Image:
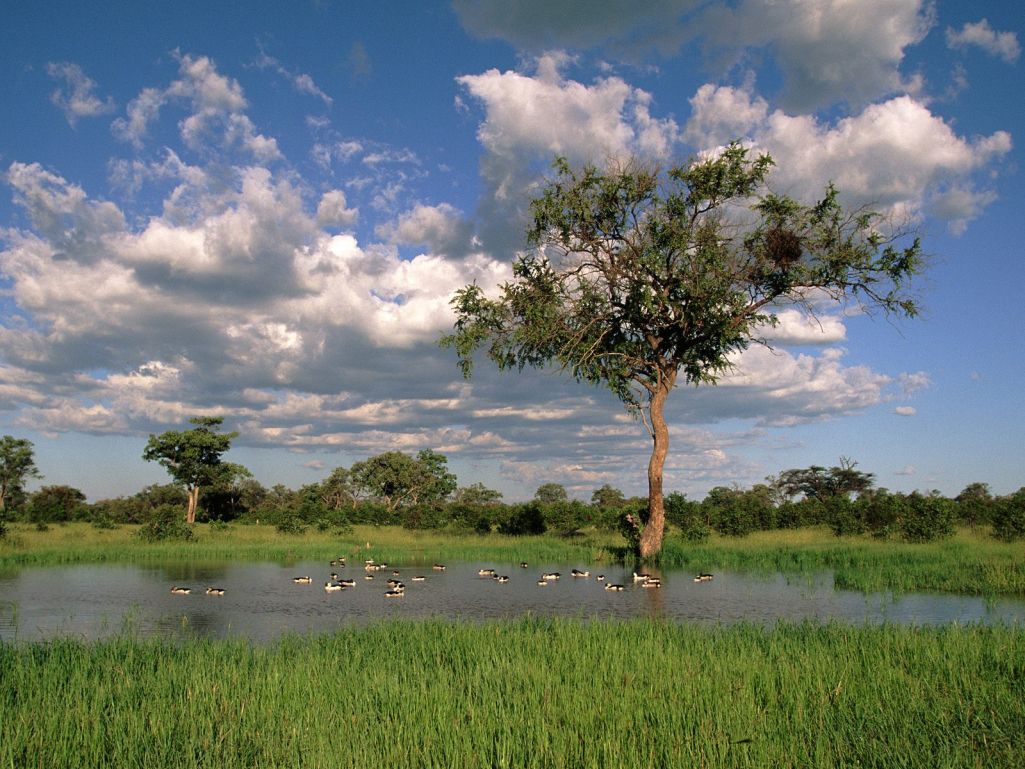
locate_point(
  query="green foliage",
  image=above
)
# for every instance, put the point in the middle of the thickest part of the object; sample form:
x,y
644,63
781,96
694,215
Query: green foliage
x,y
975,504
56,503
551,493
636,277
687,516
193,457
17,465
927,517
527,518
165,523
397,480
817,482
737,512
1009,516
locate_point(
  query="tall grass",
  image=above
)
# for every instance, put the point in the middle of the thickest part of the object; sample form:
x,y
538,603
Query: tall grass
x,y
969,563
529,693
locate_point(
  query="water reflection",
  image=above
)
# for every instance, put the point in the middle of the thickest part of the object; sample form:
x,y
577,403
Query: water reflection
x,y
262,602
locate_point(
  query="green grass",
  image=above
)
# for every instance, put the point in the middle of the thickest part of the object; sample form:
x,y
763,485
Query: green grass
x,y
529,693
969,563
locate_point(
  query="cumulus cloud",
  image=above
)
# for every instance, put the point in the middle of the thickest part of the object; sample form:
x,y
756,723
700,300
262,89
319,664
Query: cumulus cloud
x,y
905,411
76,97
1001,44
826,50
895,155
442,229
217,118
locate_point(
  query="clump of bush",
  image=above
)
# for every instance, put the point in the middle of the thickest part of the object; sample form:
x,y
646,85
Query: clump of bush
x,y
1008,516
166,522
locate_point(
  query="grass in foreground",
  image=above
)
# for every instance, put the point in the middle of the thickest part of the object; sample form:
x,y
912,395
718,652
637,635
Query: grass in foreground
x,y
530,693
969,563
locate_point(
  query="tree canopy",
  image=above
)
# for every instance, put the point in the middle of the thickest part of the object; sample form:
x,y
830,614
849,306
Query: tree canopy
x,y
17,465
399,480
634,277
193,457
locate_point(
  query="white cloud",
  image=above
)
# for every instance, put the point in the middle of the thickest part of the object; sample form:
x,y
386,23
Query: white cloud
x,y
332,210
905,411
895,155
442,229
907,470
302,82
826,50
1002,44
217,119
77,98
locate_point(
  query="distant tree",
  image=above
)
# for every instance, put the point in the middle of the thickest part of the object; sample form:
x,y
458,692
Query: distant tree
x,y
56,503
1009,516
17,465
608,498
639,279
398,480
974,503
817,482
336,490
193,457
477,495
551,493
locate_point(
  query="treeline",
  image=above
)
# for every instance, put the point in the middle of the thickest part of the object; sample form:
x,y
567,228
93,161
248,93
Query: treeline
x,y
419,492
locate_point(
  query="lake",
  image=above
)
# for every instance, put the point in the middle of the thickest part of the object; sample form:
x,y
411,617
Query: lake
x,y
261,602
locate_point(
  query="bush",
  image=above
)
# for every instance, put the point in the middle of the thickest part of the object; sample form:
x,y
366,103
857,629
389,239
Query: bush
x,y
1009,516
845,518
290,524
166,522
524,519
927,518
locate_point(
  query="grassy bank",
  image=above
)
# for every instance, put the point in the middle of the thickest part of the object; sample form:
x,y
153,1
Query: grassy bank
x,y
971,562
525,694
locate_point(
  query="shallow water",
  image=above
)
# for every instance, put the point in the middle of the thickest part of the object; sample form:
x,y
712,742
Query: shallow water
x,y
262,603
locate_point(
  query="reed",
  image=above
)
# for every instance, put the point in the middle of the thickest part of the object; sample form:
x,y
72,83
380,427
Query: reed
x,y
527,693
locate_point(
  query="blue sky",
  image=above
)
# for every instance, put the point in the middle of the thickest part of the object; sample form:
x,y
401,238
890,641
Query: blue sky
x,y
261,213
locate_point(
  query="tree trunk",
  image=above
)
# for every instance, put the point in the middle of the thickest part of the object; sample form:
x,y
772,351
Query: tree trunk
x,y
190,516
651,537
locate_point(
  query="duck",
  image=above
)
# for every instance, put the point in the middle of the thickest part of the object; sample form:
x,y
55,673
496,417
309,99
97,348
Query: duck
x,y
551,576
393,582
302,580
578,573
395,573
347,582
419,578
395,592
331,587
334,576
600,578
181,590
703,577
611,587
438,567
523,564
652,582
542,582
485,572
215,591
641,577
503,579
369,576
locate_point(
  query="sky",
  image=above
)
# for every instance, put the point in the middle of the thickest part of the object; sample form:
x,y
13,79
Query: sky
x,y
261,211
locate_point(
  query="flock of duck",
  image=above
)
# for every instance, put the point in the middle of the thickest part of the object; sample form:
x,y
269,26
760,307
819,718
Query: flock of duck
x,y
397,588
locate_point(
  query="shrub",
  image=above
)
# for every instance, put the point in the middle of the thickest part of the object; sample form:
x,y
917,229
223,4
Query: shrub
x,y
290,524
927,518
525,519
166,522
1009,516
844,517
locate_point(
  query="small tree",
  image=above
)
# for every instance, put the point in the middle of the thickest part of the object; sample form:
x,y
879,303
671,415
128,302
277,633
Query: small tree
x,y
399,480
17,465
638,279
56,503
551,493
193,457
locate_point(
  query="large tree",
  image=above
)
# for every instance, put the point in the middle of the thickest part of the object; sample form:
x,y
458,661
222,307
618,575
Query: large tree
x,y
193,457
635,278
17,465
399,480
